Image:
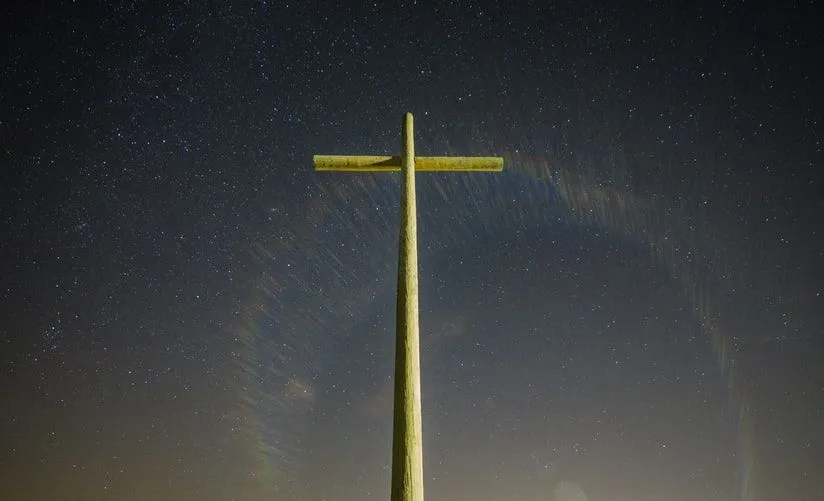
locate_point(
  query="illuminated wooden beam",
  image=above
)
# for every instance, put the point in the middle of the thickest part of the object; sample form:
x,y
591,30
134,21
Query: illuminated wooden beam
x,y
365,163
407,438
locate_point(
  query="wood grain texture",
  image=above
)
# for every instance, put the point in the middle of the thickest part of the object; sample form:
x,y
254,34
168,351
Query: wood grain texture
x,y
377,163
407,439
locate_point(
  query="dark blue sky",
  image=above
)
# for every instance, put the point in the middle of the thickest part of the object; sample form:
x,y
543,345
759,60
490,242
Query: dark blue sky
x,y
631,310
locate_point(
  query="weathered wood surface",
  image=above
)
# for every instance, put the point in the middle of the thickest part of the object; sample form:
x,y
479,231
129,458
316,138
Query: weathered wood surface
x,y
376,163
407,438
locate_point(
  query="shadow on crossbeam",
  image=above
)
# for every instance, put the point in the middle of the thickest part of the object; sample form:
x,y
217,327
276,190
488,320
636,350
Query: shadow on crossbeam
x,y
387,164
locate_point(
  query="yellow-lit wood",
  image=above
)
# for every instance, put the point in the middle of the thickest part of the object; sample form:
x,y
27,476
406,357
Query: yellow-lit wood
x,y
407,437
407,440
365,163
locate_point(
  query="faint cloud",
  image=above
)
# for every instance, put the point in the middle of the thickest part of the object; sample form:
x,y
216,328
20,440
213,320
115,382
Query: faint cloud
x,y
569,491
299,393
379,403
455,326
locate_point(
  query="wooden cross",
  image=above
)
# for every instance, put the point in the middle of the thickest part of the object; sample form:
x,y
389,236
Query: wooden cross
x,y
407,443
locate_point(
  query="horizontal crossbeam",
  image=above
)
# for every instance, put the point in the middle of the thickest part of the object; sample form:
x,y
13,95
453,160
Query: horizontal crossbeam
x,y
388,164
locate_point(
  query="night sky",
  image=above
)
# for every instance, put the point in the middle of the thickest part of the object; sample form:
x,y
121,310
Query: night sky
x,y
632,311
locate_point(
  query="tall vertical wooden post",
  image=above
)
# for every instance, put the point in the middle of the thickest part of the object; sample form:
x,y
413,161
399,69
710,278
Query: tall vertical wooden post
x,y
407,440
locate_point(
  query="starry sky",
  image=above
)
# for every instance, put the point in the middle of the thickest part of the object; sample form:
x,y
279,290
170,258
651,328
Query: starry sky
x,y
632,310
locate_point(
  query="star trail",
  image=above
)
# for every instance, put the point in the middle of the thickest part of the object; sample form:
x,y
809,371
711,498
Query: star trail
x,y
632,310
